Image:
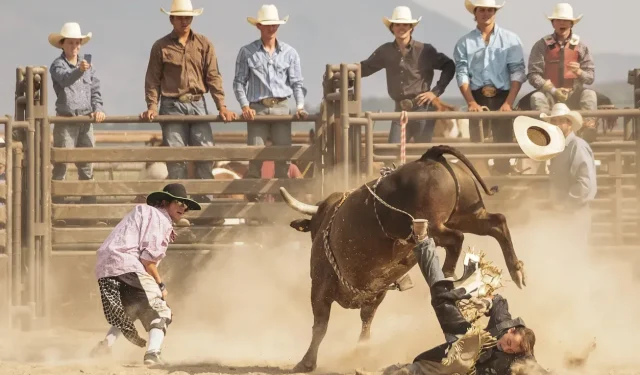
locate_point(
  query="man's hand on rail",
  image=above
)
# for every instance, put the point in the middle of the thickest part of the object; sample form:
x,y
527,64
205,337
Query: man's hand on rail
x,y
474,107
301,114
148,115
248,113
98,116
227,115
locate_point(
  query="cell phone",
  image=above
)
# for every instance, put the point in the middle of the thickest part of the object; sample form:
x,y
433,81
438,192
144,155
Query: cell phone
x,y
87,58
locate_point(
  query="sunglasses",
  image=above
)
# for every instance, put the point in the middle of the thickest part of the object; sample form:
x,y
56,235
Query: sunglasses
x,y
182,205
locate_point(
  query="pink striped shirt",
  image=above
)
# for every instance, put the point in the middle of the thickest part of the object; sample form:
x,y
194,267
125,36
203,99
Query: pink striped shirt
x,y
145,233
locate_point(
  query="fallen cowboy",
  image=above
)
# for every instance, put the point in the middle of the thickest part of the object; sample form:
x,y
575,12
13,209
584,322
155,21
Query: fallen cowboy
x,y
459,305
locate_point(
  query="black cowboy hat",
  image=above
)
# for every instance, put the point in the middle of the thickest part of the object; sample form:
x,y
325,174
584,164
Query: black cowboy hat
x,y
173,192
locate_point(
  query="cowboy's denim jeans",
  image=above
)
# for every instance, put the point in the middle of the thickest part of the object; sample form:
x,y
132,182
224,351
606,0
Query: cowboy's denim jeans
x,y
428,261
586,100
186,134
72,136
278,132
420,130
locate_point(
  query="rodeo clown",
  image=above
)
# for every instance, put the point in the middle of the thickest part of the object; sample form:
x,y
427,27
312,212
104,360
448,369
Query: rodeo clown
x,y
458,305
127,271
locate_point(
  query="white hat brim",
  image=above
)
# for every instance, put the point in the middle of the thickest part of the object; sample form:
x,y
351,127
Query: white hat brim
x,y
189,13
56,38
388,22
254,21
574,20
471,6
556,145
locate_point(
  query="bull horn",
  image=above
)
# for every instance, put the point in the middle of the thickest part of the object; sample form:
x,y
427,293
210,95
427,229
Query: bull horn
x,y
304,208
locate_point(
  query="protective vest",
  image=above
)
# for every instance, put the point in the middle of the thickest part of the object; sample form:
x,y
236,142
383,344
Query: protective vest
x,y
557,58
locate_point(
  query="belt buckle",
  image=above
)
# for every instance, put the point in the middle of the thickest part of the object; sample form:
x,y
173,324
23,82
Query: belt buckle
x,y
489,91
269,102
406,104
186,98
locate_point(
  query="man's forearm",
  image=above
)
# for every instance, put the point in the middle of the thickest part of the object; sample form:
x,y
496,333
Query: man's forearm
x,y
513,92
466,93
152,269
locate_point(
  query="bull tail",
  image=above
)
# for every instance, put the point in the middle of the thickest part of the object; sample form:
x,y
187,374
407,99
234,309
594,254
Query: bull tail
x,y
436,152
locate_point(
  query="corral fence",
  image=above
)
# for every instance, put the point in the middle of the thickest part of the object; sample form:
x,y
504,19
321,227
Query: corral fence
x,y
44,261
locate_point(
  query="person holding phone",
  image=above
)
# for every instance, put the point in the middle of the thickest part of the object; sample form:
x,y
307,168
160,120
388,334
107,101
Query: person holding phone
x,y
78,93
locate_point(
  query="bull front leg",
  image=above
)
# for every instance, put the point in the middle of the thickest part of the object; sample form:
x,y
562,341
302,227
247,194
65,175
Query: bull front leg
x,y
321,306
367,313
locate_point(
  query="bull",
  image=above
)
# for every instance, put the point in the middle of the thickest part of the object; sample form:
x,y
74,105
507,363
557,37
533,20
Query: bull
x,y
362,240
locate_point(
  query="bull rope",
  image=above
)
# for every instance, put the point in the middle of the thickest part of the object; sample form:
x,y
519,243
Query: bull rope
x,y
328,252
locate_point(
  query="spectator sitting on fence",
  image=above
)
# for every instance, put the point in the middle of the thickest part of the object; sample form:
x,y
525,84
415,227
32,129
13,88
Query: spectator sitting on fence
x,y
180,82
563,83
78,93
267,73
490,70
410,67
130,285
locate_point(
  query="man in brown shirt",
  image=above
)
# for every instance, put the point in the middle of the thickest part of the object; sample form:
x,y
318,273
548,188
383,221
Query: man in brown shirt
x,y
182,67
409,65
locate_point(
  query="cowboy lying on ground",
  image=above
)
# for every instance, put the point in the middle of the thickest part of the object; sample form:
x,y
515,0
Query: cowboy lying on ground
x,y
268,72
182,68
77,89
127,271
560,65
490,70
409,66
458,305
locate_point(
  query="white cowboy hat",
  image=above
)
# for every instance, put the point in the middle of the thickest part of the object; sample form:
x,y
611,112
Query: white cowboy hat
x,y
564,11
70,30
471,6
401,14
183,8
561,109
268,15
539,140
156,171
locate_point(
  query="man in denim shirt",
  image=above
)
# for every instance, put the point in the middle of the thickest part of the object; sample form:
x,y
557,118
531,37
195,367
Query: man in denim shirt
x,y
268,72
490,70
78,94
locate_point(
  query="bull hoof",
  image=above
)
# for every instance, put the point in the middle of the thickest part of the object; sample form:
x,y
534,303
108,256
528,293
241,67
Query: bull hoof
x,y
304,367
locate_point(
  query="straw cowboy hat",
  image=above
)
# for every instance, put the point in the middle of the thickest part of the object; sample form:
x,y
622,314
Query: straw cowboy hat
x,y
183,8
560,110
173,192
472,5
70,30
539,140
401,14
564,11
268,15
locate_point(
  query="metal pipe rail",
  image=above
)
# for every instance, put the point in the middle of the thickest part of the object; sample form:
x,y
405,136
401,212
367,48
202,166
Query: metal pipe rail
x,y
179,119
388,116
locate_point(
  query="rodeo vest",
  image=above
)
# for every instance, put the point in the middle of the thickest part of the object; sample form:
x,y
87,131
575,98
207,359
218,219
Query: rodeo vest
x,y
557,58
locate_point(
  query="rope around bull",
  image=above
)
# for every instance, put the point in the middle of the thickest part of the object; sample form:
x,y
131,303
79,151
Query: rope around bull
x,y
385,171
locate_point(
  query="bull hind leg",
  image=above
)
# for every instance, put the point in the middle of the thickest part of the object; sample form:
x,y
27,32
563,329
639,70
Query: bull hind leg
x,y
367,313
321,306
451,240
484,223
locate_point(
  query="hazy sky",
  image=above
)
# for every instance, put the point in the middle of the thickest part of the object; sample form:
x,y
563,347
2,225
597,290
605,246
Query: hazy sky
x,y
124,30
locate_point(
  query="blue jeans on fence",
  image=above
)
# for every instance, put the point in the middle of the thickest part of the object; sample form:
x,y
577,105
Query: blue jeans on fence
x,y
278,132
72,136
186,134
420,130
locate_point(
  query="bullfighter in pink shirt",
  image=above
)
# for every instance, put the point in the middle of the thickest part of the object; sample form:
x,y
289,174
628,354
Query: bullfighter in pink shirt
x,y
130,286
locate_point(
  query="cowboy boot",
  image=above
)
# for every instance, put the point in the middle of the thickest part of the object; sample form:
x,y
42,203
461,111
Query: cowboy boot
x,y
402,284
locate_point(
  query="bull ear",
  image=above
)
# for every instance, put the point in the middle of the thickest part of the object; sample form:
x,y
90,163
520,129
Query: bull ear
x,y
301,225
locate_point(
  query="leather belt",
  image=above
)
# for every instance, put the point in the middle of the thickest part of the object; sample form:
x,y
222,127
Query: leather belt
x,y
270,102
489,91
189,98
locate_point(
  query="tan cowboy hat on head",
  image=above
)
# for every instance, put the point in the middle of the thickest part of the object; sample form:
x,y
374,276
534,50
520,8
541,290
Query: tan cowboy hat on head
x,y
472,5
401,14
182,8
70,30
268,15
539,140
561,110
564,11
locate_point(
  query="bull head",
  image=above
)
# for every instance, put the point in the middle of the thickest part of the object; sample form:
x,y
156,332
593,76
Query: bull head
x,y
304,208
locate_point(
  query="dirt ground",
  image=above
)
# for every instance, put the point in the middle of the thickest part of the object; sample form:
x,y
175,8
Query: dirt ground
x,y
250,313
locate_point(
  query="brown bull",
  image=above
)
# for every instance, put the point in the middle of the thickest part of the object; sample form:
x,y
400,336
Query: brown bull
x,y
366,251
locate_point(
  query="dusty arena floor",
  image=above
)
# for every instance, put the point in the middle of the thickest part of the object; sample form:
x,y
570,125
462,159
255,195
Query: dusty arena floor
x,y
249,313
